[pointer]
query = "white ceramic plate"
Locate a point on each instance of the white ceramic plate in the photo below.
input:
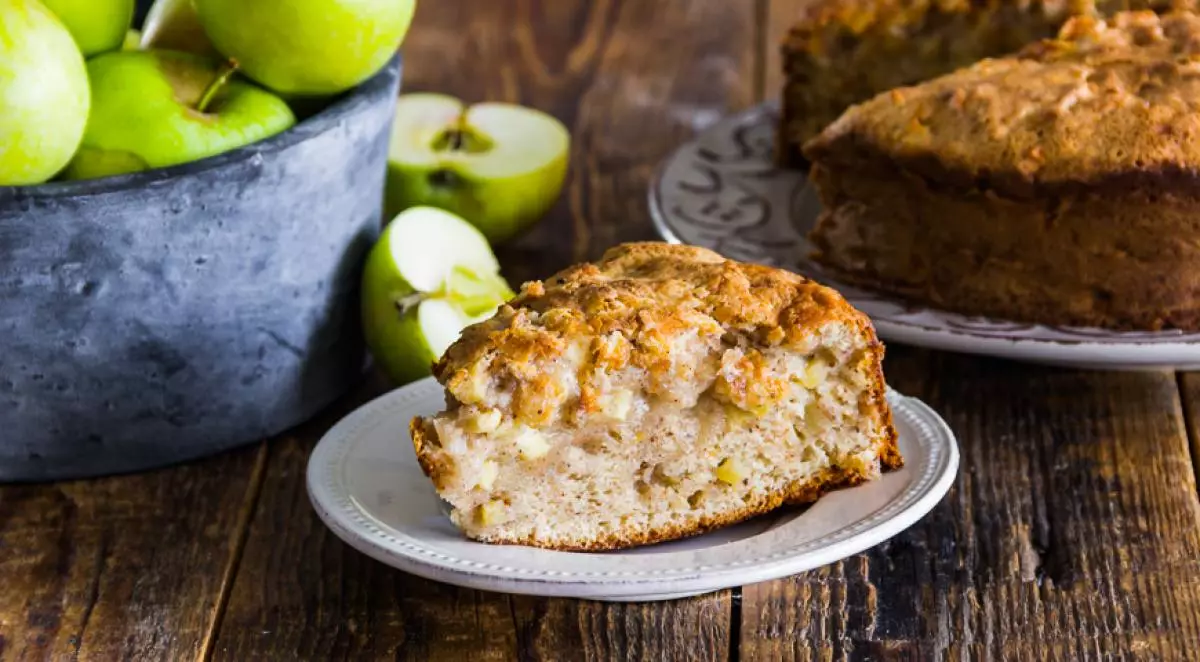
(365, 483)
(723, 191)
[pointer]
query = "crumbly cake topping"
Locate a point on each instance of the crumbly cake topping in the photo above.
(861, 16)
(658, 393)
(1104, 98)
(633, 310)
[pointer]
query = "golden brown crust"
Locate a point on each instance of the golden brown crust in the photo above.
(843, 52)
(631, 304)
(634, 280)
(1058, 186)
(424, 437)
(888, 447)
(1104, 98)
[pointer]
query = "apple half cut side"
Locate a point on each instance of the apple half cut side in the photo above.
(500, 166)
(430, 275)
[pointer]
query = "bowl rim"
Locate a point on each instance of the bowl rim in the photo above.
(327, 118)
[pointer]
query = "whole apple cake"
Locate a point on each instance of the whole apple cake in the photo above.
(1059, 186)
(842, 52)
(659, 393)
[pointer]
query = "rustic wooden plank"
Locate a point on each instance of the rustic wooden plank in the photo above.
(631, 80)
(300, 593)
(1072, 532)
(130, 567)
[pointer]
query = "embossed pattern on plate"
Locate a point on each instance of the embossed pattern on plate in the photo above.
(723, 191)
(365, 483)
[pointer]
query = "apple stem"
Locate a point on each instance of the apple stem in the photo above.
(230, 67)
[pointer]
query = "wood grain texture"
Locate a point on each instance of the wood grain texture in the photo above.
(1072, 532)
(631, 80)
(131, 567)
(301, 594)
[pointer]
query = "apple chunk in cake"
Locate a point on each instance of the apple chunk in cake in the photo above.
(660, 393)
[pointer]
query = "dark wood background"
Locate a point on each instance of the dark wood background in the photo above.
(1071, 533)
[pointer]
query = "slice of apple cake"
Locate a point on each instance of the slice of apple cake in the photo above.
(662, 392)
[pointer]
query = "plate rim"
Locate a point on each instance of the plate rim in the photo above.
(1082, 352)
(351, 521)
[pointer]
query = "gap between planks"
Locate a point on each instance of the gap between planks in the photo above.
(239, 535)
(1187, 387)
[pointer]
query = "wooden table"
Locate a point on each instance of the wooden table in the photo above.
(1072, 532)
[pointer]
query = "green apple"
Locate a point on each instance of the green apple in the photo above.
(43, 93)
(152, 109)
(175, 25)
(307, 47)
(429, 276)
(133, 40)
(498, 165)
(97, 25)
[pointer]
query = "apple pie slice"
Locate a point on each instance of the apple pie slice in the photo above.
(662, 392)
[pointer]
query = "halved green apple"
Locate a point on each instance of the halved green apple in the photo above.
(430, 275)
(498, 165)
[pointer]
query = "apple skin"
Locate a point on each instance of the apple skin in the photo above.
(143, 113)
(503, 187)
(44, 96)
(174, 25)
(402, 355)
(500, 208)
(98, 26)
(307, 47)
(399, 336)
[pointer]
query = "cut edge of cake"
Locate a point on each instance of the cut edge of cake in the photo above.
(839, 53)
(499, 465)
(1070, 204)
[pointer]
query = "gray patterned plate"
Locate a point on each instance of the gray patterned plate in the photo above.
(366, 485)
(723, 191)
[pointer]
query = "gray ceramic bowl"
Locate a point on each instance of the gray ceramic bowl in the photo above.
(165, 315)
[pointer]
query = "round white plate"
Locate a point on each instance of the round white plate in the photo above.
(364, 481)
(723, 191)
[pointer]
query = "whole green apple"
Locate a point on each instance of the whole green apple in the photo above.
(307, 47)
(43, 93)
(174, 25)
(97, 25)
(498, 165)
(152, 109)
(429, 276)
